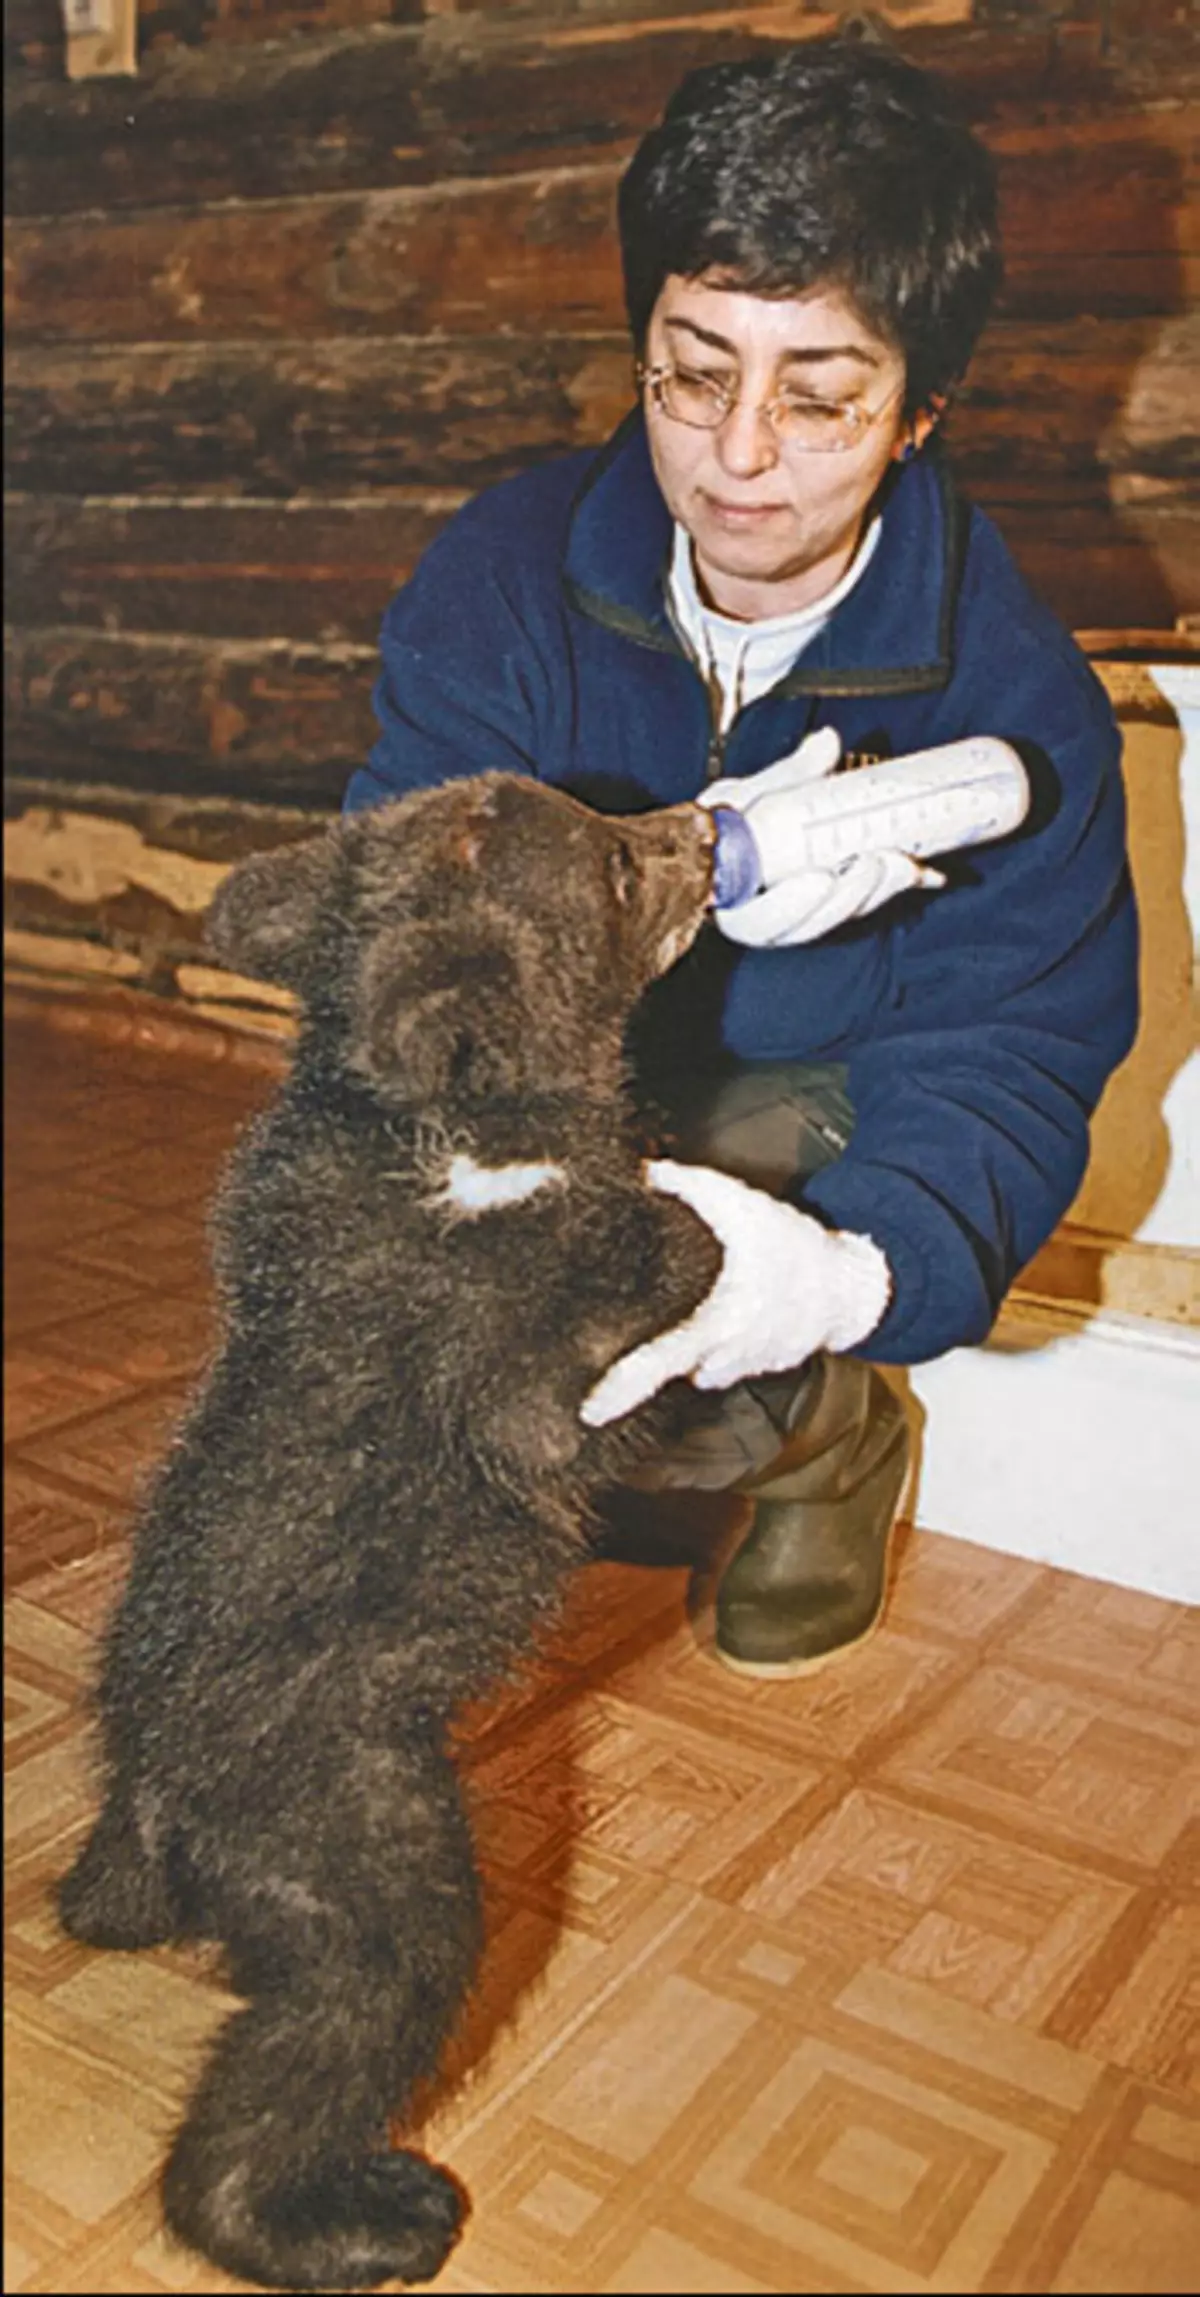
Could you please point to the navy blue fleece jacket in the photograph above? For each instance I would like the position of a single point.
(980, 1023)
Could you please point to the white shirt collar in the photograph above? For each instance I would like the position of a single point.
(742, 660)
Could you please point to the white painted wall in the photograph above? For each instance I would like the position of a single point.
(1079, 1448)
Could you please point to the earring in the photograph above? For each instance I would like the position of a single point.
(908, 450)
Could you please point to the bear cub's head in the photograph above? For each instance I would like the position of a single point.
(486, 938)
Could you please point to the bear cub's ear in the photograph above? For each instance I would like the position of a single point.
(432, 1019)
(264, 917)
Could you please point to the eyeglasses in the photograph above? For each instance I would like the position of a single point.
(813, 426)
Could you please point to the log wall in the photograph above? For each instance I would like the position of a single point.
(278, 306)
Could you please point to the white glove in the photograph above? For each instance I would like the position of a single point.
(787, 1287)
(803, 906)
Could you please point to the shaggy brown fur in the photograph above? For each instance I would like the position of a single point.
(383, 1482)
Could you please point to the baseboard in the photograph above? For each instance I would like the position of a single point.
(1072, 1438)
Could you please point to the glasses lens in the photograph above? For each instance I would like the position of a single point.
(818, 426)
(695, 399)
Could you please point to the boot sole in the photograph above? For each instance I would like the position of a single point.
(790, 1670)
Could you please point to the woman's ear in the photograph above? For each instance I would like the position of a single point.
(921, 427)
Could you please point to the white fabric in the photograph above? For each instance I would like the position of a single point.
(802, 907)
(742, 660)
(787, 1287)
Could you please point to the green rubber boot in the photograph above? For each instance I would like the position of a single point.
(809, 1580)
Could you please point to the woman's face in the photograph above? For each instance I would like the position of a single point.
(773, 526)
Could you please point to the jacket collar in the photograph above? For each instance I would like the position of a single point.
(893, 634)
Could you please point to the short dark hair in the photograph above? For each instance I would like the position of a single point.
(834, 162)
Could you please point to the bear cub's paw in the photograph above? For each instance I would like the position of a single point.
(391, 2217)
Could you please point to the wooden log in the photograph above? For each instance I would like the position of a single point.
(173, 830)
(524, 253)
(280, 722)
(314, 571)
(33, 34)
(34, 37)
(346, 413)
(1082, 408)
(387, 106)
(377, 111)
(320, 573)
(1099, 226)
(33, 29)
(1094, 24)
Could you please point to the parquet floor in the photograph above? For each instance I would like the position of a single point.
(889, 1982)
